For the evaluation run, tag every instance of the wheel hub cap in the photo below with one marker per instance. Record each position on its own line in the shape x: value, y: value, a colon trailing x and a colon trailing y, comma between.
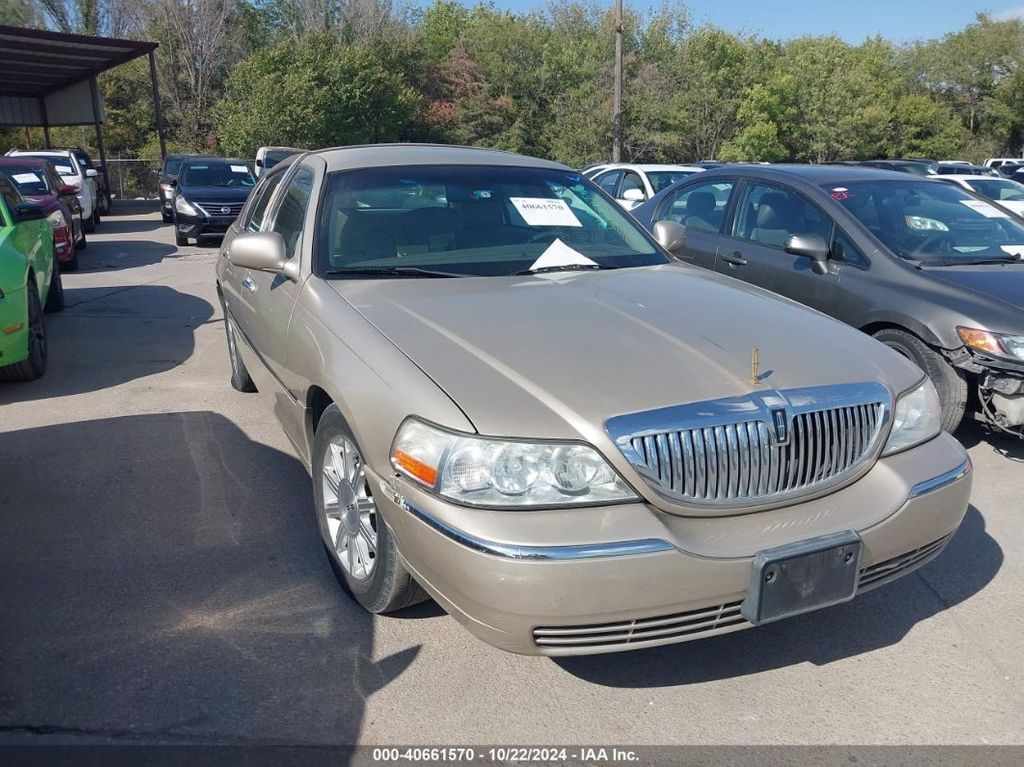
x: 349, y: 513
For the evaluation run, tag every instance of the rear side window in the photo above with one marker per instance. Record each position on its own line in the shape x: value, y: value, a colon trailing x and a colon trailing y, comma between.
x: 769, y: 215
x: 9, y: 193
x: 291, y: 212
x: 699, y: 206
x: 258, y: 210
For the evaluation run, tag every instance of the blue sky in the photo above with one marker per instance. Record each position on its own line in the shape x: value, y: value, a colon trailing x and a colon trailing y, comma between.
x: 853, y: 20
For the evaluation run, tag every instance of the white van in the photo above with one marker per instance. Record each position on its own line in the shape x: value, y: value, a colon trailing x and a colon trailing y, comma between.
x: 269, y: 156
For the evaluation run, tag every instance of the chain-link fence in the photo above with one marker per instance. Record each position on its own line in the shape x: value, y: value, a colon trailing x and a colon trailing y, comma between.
x: 133, y: 179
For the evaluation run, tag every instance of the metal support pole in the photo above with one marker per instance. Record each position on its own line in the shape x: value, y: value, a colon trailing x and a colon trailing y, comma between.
x: 99, y: 134
x: 45, y: 120
x: 155, y: 80
x: 617, y: 107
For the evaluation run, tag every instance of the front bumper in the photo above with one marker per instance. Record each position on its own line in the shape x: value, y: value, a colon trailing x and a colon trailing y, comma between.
x: 595, y: 580
x: 202, y: 226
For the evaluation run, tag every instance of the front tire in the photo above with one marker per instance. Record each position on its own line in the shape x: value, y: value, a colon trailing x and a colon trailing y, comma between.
x: 359, y: 545
x: 181, y: 241
x: 89, y: 224
x: 949, y: 382
x: 35, y: 365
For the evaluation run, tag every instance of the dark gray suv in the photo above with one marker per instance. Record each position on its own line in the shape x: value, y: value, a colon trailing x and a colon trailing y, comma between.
x: 927, y: 268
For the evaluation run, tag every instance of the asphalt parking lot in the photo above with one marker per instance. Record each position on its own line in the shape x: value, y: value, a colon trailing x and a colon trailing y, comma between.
x: 161, y: 579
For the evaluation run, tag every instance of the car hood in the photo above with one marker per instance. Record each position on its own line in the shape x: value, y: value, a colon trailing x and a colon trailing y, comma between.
x: 1004, y: 282
x: 554, y: 356
x: 215, y: 193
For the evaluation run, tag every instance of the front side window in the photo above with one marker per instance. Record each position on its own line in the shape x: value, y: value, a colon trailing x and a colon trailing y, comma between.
x: 473, y: 221
x: 217, y: 173
x: 11, y: 196
x: 932, y: 222
x: 769, y: 215
x: 172, y: 165
x: 630, y: 181
x: 699, y: 206
x: 608, y: 181
x: 291, y: 212
x: 263, y: 195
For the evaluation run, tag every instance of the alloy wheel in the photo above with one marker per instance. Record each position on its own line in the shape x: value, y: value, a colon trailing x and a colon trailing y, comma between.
x: 350, y: 513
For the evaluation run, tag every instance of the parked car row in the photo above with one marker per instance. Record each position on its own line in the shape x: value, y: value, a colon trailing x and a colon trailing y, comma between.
x: 30, y: 281
x: 512, y: 398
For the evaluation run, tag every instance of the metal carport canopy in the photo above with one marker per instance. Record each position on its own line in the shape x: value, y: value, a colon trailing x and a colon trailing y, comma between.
x: 49, y: 78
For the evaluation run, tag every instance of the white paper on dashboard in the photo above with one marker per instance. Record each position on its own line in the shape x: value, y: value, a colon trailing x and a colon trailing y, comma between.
x: 545, y: 211
x: 1014, y: 250
x: 560, y: 254
x: 239, y: 169
x: 985, y: 209
x: 26, y: 178
x: 64, y: 170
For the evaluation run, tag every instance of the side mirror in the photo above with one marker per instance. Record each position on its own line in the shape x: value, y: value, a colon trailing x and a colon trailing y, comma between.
x: 634, y: 195
x: 259, y: 162
x: 26, y: 211
x: 69, y: 189
x: 812, y: 246
x: 670, y: 235
x: 263, y: 251
x: 91, y: 173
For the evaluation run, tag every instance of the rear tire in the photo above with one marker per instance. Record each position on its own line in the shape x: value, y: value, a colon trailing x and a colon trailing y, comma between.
x: 240, y: 378
x: 72, y: 265
x: 374, y: 575
x: 167, y: 217
x: 55, y: 296
x: 949, y: 382
x: 35, y: 365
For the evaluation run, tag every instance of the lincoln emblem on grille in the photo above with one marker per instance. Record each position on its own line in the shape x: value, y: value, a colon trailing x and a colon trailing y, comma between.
x: 779, y: 421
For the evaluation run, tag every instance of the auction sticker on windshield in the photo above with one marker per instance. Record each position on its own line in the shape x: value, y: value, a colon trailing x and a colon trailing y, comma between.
x: 64, y: 170
x: 984, y: 208
x: 239, y: 169
x: 26, y: 178
x: 545, y: 211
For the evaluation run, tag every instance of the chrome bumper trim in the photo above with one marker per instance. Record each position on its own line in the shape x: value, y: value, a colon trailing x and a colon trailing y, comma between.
x: 935, y: 483
x: 541, y: 553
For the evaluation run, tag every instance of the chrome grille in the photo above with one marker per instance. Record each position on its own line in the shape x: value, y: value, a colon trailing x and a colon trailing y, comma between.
x: 690, y: 624
x: 214, y: 208
x: 759, y: 448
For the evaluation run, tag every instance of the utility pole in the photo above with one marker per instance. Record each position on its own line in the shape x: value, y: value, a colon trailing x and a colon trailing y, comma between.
x: 617, y: 108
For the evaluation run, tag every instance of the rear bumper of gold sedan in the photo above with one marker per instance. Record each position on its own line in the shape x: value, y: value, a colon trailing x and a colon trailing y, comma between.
x: 666, y: 583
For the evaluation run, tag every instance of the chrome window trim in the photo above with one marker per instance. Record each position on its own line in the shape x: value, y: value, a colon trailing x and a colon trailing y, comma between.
x: 539, y: 553
x: 755, y: 406
x: 942, y: 480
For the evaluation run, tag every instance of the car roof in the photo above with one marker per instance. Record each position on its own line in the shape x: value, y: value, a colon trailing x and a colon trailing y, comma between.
x: 814, y: 174
x: 971, y: 177
x: 21, y: 161
x: 375, y: 155
x: 649, y: 167
x: 42, y: 153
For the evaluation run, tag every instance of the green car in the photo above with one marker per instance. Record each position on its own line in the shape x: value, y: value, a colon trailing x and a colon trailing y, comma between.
x: 29, y: 285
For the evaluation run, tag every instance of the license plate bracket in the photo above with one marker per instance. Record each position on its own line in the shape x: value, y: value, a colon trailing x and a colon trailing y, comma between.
x: 803, y: 576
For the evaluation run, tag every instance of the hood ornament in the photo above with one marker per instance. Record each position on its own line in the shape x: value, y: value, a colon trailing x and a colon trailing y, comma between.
x: 755, y: 367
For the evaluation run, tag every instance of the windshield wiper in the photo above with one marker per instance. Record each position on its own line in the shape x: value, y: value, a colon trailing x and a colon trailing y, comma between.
x: 1007, y: 259
x: 564, y: 268
x: 388, y: 271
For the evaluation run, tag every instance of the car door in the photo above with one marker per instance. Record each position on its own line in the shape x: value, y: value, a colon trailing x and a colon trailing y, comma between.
x: 701, y: 207
x: 766, y: 215
x: 269, y: 297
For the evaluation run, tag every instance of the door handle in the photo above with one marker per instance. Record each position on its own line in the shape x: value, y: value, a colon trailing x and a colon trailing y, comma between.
x: 736, y: 258
x: 249, y: 284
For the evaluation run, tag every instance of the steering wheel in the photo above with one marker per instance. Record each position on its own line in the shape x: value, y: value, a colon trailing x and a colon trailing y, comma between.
x: 936, y: 243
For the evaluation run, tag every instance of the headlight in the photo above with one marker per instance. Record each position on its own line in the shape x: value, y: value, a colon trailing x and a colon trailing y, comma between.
x: 56, y: 219
x: 184, y: 206
x: 916, y: 419
x: 478, y: 471
x: 992, y: 343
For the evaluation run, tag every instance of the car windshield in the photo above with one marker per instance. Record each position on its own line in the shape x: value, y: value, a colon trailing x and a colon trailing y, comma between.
x: 662, y: 178
x: 217, y: 173
x: 999, y: 189
x: 64, y: 165
x: 474, y: 221
x: 932, y: 222
x: 29, y: 181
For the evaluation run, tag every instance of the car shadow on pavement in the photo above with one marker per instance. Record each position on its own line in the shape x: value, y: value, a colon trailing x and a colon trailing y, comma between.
x: 875, y: 620
x: 131, y: 224
x: 972, y: 433
x: 112, y: 255
x: 169, y: 583
x: 109, y: 336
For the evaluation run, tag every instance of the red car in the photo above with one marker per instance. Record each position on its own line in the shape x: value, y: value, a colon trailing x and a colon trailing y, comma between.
x: 39, y: 183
